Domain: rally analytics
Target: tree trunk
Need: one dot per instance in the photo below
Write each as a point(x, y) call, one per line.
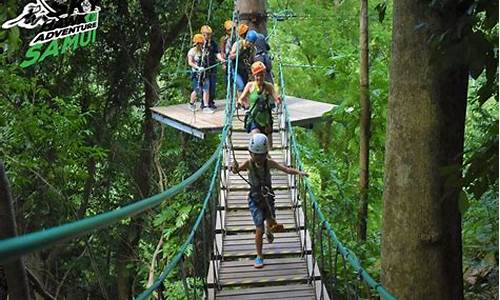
point(253, 13)
point(3, 284)
point(364, 124)
point(421, 242)
point(17, 281)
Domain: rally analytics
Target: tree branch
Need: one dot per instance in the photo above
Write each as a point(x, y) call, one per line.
point(151, 276)
point(37, 285)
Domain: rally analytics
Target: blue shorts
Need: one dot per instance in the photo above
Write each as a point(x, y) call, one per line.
point(253, 125)
point(241, 81)
point(261, 212)
point(195, 83)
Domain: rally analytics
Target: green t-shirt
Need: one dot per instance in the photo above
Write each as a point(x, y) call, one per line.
point(260, 107)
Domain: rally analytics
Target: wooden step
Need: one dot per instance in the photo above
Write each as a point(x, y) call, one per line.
point(243, 155)
point(276, 179)
point(275, 270)
point(241, 220)
point(243, 245)
point(246, 187)
point(233, 229)
point(242, 217)
point(240, 139)
point(280, 292)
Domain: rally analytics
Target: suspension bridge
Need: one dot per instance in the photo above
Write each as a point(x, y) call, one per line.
point(215, 261)
point(289, 264)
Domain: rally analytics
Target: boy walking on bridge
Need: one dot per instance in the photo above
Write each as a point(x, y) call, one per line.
point(261, 196)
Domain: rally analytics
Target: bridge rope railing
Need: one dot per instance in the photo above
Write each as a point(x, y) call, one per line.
point(19, 246)
point(341, 271)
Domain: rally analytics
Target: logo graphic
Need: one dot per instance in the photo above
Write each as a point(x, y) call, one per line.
point(73, 21)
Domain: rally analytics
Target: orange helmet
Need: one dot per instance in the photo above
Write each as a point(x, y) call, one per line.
point(258, 67)
point(228, 25)
point(206, 29)
point(198, 39)
point(242, 29)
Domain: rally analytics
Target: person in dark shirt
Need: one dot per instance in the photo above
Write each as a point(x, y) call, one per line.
point(262, 49)
point(262, 54)
point(244, 48)
point(226, 41)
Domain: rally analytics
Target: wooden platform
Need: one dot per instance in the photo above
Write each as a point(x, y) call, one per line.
point(303, 112)
point(289, 271)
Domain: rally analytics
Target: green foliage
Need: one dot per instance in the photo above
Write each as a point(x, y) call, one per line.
point(480, 196)
point(9, 39)
point(330, 38)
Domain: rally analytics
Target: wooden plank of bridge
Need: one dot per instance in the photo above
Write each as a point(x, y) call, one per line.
point(288, 261)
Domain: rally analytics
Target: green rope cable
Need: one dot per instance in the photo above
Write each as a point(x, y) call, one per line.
point(345, 252)
point(22, 245)
point(273, 31)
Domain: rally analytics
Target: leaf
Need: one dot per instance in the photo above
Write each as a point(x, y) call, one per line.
point(479, 53)
point(330, 73)
point(13, 40)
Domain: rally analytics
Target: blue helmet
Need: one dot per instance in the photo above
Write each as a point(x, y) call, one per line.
point(251, 36)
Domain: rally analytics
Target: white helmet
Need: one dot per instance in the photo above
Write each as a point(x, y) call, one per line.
point(258, 143)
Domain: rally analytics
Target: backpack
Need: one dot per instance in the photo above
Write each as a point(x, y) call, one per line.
point(263, 193)
point(249, 117)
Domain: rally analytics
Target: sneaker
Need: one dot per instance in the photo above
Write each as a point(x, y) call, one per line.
point(192, 106)
point(259, 263)
point(270, 237)
point(212, 106)
point(208, 110)
point(276, 228)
